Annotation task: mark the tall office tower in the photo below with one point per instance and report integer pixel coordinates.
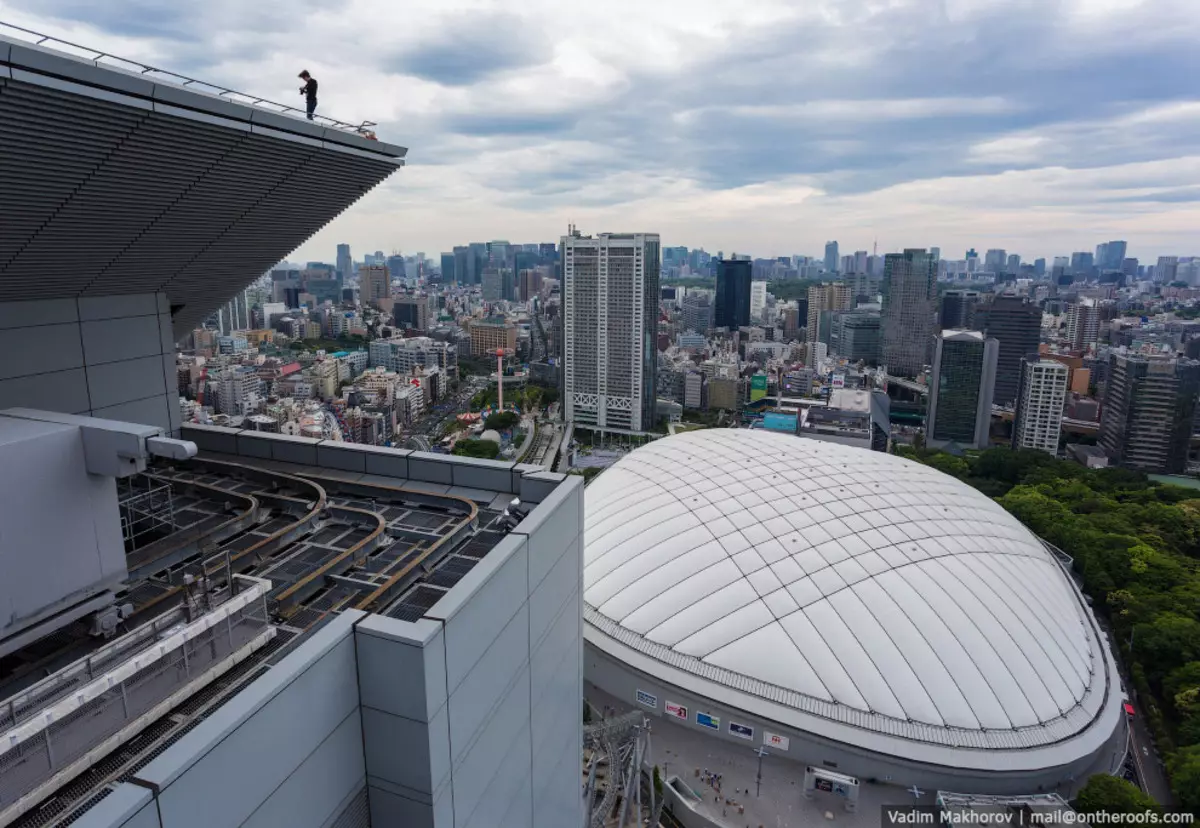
(610, 311)
(1082, 263)
(1038, 421)
(861, 261)
(477, 261)
(499, 254)
(697, 312)
(529, 284)
(345, 264)
(733, 293)
(960, 402)
(449, 263)
(1101, 259)
(395, 266)
(1039, 267)
(846, 265)
(831, 257)
(1017, 324)
(854, 334)
(1115, 256)
(374, 283)
(1166, 268)
(832, 297)
(1083, 326)
(1013, 265)
(994, 260)
(936, 253)
(758, 300)
(909, 308)
(958, 309)
(1129, 267)
(1149, 405)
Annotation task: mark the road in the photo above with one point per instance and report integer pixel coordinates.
(1150, 770)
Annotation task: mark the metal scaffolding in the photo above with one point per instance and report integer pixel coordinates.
(147, 509)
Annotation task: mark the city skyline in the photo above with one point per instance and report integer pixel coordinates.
(759, 126)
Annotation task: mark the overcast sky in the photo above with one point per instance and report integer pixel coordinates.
(757, 126)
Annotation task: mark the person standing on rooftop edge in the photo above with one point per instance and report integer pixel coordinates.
(309, 91)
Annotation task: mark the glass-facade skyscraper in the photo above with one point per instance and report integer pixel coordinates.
(909, 306)
(960, 403)
(733, 293)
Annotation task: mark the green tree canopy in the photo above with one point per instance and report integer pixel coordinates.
(1112, 795)
(485, 449)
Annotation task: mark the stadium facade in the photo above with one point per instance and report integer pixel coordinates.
(847, 609)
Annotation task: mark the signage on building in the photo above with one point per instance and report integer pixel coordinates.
(758, 387)
(741, 731)
(839, 381)
(647, 699)
(776, 741)
(709, 721)
(676, 710)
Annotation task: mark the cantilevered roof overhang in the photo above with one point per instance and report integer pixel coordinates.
(115, 183)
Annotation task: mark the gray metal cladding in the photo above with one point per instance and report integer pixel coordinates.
(104, 194)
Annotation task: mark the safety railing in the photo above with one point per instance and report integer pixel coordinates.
(113, 61)
(57, 734)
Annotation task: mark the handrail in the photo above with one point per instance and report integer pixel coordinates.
(184, 80)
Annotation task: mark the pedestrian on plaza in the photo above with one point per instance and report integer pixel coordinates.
(309, 91)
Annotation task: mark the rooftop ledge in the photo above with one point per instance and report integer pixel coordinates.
(23, 57)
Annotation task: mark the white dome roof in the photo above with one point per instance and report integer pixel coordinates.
(852, 584)
(490, 434)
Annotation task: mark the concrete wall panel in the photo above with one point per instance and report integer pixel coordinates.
(404, 678)
(224, 770)
(128, 806)
(315, 791)
(481, 604)
(388, 462)
(39, 350)
(510, 783)
(421, 767)
(38, 312)
(430, 468)
(120, 382)
(557, 520)
(474, 773)
(155, 411)
(475, 697)
(546, 599)
(113, 340)
(63, 391)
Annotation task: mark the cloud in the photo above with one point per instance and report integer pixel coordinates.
(469, 47)
(763, 126)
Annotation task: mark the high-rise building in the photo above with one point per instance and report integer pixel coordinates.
(960, 400)
(831, 257)
(1114, 255)
(1082, 263)
(855, 335)
(995, 260)
(477, 261)
(1083, 326)
(1016, 324)
(529, 284)
(758, 299)
(449, 277)
(412, 311)
(1149, 406)
(610, 311)
(1013, 265)
(861, 261)
(1039, 267)
(1038, 421)
(732, 308)
(1129, 267)
(395, 266)
(1164, 271)
(836, 296)
(374, 283)
(697, 312)
(489, 335)
(909, 308)
(958, 309)
(345, 264)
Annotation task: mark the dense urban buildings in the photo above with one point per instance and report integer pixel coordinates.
(909, 307)
(1149, 408)
(960, 399)
(958, 309)
(610, 309)
(1038, 421)
(732, 308)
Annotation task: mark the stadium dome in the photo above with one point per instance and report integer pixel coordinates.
(851, 594)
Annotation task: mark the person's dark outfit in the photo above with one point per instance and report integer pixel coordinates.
(310, 93)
